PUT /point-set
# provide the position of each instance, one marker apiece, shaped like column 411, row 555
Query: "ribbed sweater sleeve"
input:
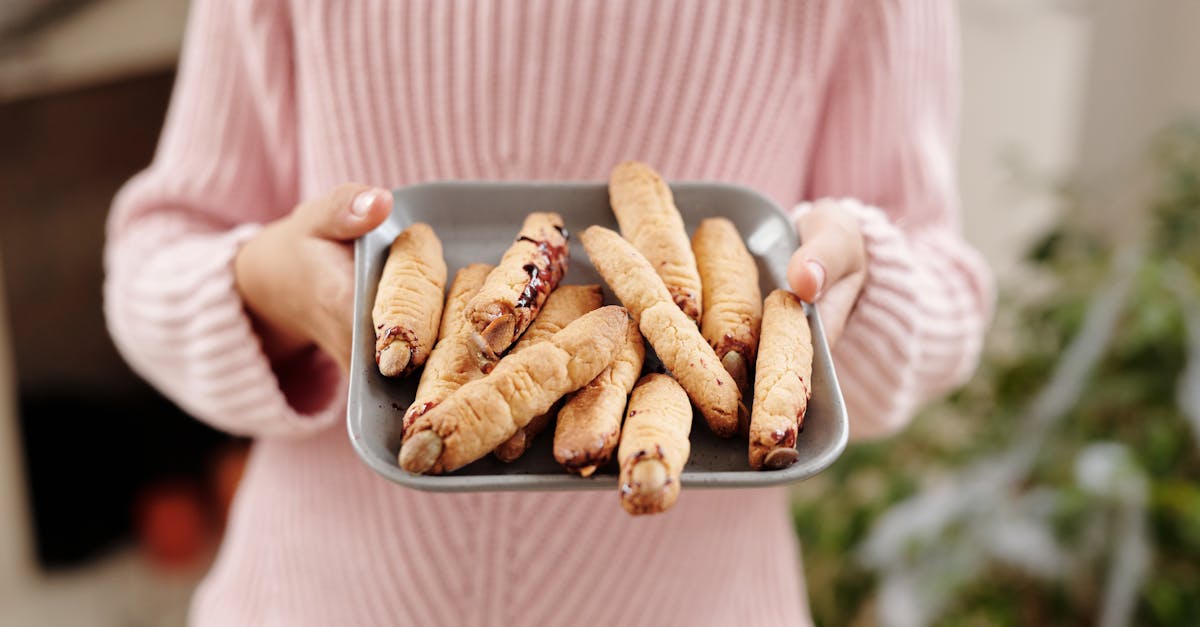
column 887, row 140
column 225, row 163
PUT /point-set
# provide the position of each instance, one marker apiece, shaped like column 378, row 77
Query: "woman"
column 229, row 273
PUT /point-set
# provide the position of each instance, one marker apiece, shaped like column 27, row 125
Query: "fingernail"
column 818, row 272
column 362, row 202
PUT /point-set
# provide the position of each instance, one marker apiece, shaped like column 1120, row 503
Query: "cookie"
column 654, row 445
column 482, row 414
column 732, row 299
column 589, row 424
column 451, row 363
column 782, row 384
column 564, row 306
column 515, row 291
column 646, row 213
column 408, row 303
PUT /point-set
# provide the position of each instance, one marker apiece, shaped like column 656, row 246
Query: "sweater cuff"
column 212, row 363
column 876, row 356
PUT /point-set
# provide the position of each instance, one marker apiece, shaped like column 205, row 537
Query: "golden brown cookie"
column 648, row 218
column 589, row 424
column 682, row 349
column 624, row 269
column 654, row 445
column 451, row 364
column 515, row 291
column 680, row 346
column 563, row 306
column 782, row 382
column 483, row 413
column 732, row 300
column 408, row 303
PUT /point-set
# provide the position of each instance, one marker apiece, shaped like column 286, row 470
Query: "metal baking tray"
column 476, row 222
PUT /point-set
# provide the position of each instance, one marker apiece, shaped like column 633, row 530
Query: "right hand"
column 830, row 267
column 296, row 276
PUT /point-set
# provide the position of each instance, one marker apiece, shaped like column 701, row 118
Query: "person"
column 229, row 283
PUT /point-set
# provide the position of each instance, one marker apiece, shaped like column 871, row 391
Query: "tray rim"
column 451, row 483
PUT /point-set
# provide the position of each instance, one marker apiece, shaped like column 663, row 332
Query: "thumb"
column 831, row 249
column 350, row 211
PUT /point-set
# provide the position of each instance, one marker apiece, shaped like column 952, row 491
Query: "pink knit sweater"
column 278, row 101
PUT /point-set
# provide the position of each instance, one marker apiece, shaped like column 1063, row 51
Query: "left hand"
column 296, row 276
column 830, row 267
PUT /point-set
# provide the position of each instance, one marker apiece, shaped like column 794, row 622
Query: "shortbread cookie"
column 732, row 300
column 408, row 303
column 589, row 424
column 675, row 339
column 474, row 420
column 515, row 291
column 682, row 349
column 451, row 363
column 563, row 306
column 625, row 270
column 782, row 383
column 646, row 213
column 654, row 445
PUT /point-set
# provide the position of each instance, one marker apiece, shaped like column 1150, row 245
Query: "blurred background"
column 1060, row 487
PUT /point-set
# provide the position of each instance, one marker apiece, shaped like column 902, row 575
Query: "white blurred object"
column 1021, row 536
column 1107, row 470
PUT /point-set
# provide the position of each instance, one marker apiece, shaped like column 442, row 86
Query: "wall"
column 1024, row 65
column 1145, row 73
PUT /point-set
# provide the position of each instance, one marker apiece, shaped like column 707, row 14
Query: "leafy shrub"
column 1060, row 486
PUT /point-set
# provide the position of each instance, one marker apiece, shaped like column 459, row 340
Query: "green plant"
column 1082, row 426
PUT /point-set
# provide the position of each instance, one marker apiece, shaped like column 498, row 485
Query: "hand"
column 830, row 267
column 296, row 277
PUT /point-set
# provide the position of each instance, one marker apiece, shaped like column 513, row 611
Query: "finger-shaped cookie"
column 515, row 291
column 680, row 346
column 589, row 424
column 563, row 306
column 782, row 383
column 480, row 415
column 513, row 448
column 654, row 445
column 646, row 213
column 732, row 300
column 625, row 270
column 408, row 304
column 451, row 364
column 682, row 349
